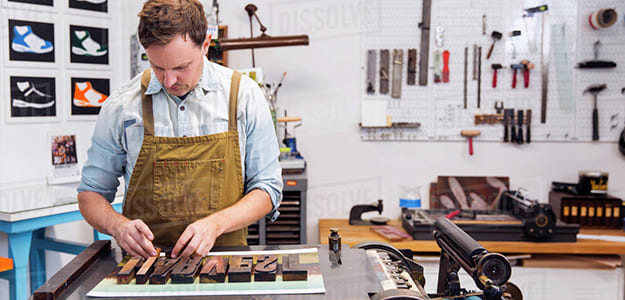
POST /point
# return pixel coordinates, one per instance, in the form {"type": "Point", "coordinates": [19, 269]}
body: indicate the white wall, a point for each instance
{"type": "Point", "coordinates": [323, 86]}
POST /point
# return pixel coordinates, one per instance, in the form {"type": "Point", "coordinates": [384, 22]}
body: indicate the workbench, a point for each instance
{"type": "Point", "coordinates": [353, 235]}
{"type": "Point", "coordinates": [25, 213]}
{"type": "Point", "coordinates": [354, 279]}
{"type": "Point", "coordinates": [543, 270]}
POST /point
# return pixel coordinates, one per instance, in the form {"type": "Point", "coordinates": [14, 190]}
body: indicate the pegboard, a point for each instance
{"type": "Point", "coordinates": [438, 108]}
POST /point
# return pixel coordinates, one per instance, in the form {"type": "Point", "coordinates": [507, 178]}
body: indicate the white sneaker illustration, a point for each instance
{"type": "Point", "coordinates": [26, 41]}
{"type": "Point", "coordinates": [86, 96]}
{"type": "Point", "coordinates": [28, 88]}
{"type": "Point", "coordinates": [33, 98]}
{"type": "Point", "coordinates": [83, 44]}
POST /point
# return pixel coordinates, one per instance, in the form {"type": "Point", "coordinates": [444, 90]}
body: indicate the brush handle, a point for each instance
{"type": "Point", "coordinates": [490, 50]}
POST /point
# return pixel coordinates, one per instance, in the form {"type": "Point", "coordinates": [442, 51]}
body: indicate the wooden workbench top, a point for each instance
{"type": "Point", "coordinates": [353, 235]}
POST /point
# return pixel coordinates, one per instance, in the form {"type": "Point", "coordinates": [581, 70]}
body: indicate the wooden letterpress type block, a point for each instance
{"type": "Point", "coordinates": [240, 269]}
{"type": "Point", "coordinates": [145, 270]}
{"type": "Point", "coordinates": [186, 269]}
{"type": "Point", "coordinates": [292, 270]}
{"type": "Point", "coordinates": [127, 273]}
{"type": "Point", "coordinates": [266, 268]}
{"type": "Point", "coordinates": [162, 270]}
{"type": "Point", "coordinates": [214, 269]}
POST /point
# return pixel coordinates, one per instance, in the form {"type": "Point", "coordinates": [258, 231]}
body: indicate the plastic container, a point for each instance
{"type": "Point", "coordinates": [410, 196]}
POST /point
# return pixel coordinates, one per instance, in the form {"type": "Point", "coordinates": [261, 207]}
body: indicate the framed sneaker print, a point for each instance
{"type": "Point", "coordinates": [30, 39]}
{"type": "Point", "coordinates": [100, 6]}
{"type": "Point", "coordinates": [31, 5]}
{"type": "Point", "coordinates": [86, 93]}
{"type": "Point", "coordinates": [31, 97]}
{"type": "Point", "coordinates": [88, 45]}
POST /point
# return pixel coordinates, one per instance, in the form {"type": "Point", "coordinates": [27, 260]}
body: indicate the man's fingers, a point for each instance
{"type": "Point", "coordinates": [134, 249]}
{"type": "Point", "coordinates": [191, 246]}
{"type": "Point", "coordinates": [144, 229]}
{"type": "Point", "coordinates": [182, 242]}
{"type": "Point", "coordinates": [204, 248]}
{"type": "Point", "coordinates": [144, 238]}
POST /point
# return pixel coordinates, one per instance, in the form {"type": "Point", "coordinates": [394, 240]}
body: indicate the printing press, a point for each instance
{"type": "Point", "coordinates": [369, 270]}
{"type": "Point", "coordinates": [517, 218]}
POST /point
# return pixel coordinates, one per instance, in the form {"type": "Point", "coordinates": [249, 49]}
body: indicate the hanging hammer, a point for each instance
{"type": "Point", "coordinates": [496, 35]}
{"type": "Point", "coordinates": [594, 90]}
{"type": "Point", "coordinates": [514, 68]}
{"type": "Point", "coordinates": [470, 134]}
{"type": "Point", "coordinates": [495, 67]}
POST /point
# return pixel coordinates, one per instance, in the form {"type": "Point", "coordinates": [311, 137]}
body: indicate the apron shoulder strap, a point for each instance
{"type": "Point", "coordinates": [146, 104]}
{"type": "Point", "coordinates": [233, 101]}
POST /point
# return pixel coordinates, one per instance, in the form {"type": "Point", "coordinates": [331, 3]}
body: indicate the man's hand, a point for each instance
{"type": "Point", "coordinates": [198, 238]}
{"type": "Point", "coordinates": [135, 237]}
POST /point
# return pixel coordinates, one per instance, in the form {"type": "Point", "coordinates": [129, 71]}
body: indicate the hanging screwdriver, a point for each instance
{"type": "Point", "coordinates": [506, 123]}
{"type": "Point", "coordinates": [512, 127]}
{"type": "Point", "coordinates": [528, 124]}
{"type": "Point", "coordinates": [519, 120]}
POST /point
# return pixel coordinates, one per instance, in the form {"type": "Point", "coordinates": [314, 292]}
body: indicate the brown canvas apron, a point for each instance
{"type": "Point", "coordinates": [178, 180]}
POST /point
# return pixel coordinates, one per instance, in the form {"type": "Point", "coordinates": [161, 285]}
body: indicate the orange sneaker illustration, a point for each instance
{"type": "Point", "coordinates": [86, 96]}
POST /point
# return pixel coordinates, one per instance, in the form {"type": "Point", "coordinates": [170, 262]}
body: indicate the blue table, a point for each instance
{"type": "Point", "coordinates": [25, 221]}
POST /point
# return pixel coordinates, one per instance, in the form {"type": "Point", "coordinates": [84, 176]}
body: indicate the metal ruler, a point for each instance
{"type": "Point", "coordinates": [425, 42]}
{"type": "Point", "coordinates": [544, 61]}
{"type": "Point", "coordinates": [466, 57]}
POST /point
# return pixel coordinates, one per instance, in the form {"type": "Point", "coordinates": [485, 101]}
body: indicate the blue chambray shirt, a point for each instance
{"type": "Point", "coordinates": [118, 133]}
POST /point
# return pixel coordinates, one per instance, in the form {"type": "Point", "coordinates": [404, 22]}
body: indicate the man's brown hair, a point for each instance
{"type": "Point", "coordinates": [161, 20]}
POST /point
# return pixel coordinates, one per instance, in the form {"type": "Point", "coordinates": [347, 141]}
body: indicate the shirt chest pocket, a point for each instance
{"type": "Point", "coordinates": [133, 139]}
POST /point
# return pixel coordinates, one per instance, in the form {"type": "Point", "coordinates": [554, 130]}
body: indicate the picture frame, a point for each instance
{"type": "Point", "coordinates": [63, 157]}
{"type": "Point", "coordinates": [81, 103]}
{"type": "Point", "coordinates": [17, 52]}
{"type": "Point", "coordinates": [88, 7]}
{"type": "Point", "coordinates": [32, 98]}
{"type": "Point", "coordinates": [95, 35]}
{"type": "Point", "coordinates": [88, 45]}
{"type": "Point", "coordinates": [32, 5]}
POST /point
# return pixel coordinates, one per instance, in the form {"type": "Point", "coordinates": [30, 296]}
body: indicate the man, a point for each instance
{"type": "Point", "coordinates": [194, 141]}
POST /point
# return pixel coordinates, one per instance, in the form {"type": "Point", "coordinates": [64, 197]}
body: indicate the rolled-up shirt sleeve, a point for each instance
{"type": "Point", "coordinates": [262, 168]}
{"type": "Point", "coordinates": [106, 156]}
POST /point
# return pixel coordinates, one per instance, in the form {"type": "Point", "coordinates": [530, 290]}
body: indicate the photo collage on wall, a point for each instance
{"type": "Point", "coordinates": [36, 47]}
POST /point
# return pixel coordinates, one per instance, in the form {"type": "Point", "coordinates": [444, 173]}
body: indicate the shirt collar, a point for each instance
{"type": "Point", "coordinates": [207, 82]}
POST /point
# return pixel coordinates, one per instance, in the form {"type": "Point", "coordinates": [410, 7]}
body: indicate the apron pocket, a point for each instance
{"type": "Point", "coordinates": [188, 188]}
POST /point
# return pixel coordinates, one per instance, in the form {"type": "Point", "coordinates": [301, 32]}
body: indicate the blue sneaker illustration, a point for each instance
{"type": "Point", "coordinates": [26, 41]}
